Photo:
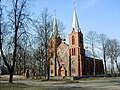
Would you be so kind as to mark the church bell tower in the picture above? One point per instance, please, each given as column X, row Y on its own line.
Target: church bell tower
column 76, row 50
column 54, row 42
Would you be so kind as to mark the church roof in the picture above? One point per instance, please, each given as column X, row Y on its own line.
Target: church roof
column 88, row 53
column 75, row 23
column 66, row 44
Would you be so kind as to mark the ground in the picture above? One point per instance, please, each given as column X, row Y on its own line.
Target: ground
column 83, row 84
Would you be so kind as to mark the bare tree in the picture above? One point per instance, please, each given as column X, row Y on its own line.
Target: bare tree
column 43, row 29
column 92, row 39
column 23, row 56
column 116, row 55
column 60, row 27
column 113, row 52
column 103, row 41
column 17, row 22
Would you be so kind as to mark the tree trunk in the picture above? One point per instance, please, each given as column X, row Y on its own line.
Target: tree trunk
column 117, row 66
column 112, row 67
column 94, row 65
column 93, row 59
column 58, row 61
column 40, row 72
column 24, row 61
column 40, row 68
column 55, row 66
column 105, row 70
column 105, row 67
column 10, row 76
column 55, row 49
column 48, row 69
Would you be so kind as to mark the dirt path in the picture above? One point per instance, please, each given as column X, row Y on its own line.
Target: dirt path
column 112, row 84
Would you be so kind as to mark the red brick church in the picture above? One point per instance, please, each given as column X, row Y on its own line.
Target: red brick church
column 70, row 59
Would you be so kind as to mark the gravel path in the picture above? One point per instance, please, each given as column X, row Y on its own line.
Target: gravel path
column 112, row 84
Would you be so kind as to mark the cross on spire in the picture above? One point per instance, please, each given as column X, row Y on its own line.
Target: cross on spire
column 74, row 4
column 54, row 12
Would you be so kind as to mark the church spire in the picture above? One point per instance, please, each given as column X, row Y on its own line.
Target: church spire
column 55, row 28
column 75, row 23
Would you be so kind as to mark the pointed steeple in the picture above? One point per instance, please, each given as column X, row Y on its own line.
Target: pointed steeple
column 55, row 28
column 75, row 23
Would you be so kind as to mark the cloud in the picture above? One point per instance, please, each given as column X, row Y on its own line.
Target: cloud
column 90, row 3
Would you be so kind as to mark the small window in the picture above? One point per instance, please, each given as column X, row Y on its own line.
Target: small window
column 51, row 71
column 51, row 63
column 73, row 40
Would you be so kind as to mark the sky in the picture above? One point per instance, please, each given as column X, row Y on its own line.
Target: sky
column 102, row 16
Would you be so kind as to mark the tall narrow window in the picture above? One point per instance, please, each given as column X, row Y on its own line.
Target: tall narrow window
column 80, row 39
column 51, row 44
column 73, row 40
column 69, row 51
column 78, row 51
column 51, row 54
column 74, row 51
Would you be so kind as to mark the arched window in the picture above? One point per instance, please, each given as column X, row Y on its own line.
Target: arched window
column 73, row 40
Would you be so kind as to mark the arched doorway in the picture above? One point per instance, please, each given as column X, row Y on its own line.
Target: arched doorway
column 62, row 71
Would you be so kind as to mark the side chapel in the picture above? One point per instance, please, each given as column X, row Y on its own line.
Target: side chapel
column 70, row 59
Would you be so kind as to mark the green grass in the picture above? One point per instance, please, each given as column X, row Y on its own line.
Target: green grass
column 100, row 78
column 18, row 86
column 15, row 77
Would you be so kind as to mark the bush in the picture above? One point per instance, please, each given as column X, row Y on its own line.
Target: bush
column 4, row 71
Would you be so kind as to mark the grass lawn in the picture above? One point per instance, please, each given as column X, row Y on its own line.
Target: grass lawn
column 18, row 86
column 100, row 78
column 15, row 77
column 21, row 86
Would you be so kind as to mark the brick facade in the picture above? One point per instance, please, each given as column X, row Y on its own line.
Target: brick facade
column 70, row 60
